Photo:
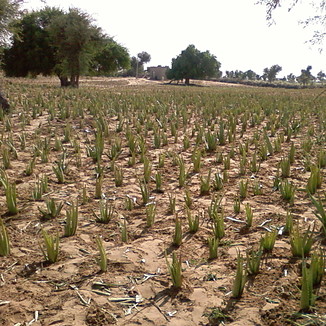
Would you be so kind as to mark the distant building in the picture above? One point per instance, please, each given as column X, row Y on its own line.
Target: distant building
column 157, row 73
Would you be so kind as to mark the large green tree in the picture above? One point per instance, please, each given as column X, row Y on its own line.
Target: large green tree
column 193, row 64
column 110, row 57
column 52, row 41
column 32, row 51
column 76, row 40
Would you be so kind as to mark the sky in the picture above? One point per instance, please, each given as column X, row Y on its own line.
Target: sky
column 235, row 31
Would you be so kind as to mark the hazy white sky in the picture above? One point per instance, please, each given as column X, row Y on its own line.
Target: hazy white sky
column 235, row 31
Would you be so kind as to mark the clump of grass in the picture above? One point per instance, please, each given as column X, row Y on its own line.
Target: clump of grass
column 4, row 240
column 175, row 270
column 51, row 250
column 240, row 278
column 102, row 260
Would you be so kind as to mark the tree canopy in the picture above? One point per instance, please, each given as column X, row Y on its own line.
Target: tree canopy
column 65, row 43
column 193, row 64
column 9, row 11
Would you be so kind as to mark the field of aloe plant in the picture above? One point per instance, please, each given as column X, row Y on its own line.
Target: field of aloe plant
column 145, row 204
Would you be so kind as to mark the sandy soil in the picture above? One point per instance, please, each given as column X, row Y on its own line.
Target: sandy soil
column 136, row 289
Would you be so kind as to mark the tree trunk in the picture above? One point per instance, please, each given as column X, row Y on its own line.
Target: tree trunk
column 64, row 82
column 4, row 104
column 187, row 81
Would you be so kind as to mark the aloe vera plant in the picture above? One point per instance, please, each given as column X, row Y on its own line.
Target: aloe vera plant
column 193, row 222
column 71, row 220
column 175, row 270
column 52, row 209
column 213, row 243
column 51, row 243
column 308, row 298
column 301, row 243
column 253, row 261
column 320, row 212
column 102, row 260
column 4, row 240
column 150, row 214
column 240, row 278
column 267, row 242
column 106, row 212
column 177, row 236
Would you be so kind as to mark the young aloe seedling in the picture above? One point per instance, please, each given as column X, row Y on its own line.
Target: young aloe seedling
column 71, row 220
column 213, row 243
column 172, row 203
column 150, row 214
column 4, row 240
column 52, row 209
column 240, row 278
column 51, row 250
column 193, row 222
column 308, row 298
column 175, row 270
column 301, row 243
column 177, row 237
column 102, row 260
column 205, row 184
column 253, row 261
column 267, row 242
column 243, row 189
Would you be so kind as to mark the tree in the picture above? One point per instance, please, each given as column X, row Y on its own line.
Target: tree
column 291, row 78
column 321, row 76
column 270, row 73
column 110, row 57
column 31, row 51
column 9, row 12
column 75, row 39
column 306, row 77
column 193, row 64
